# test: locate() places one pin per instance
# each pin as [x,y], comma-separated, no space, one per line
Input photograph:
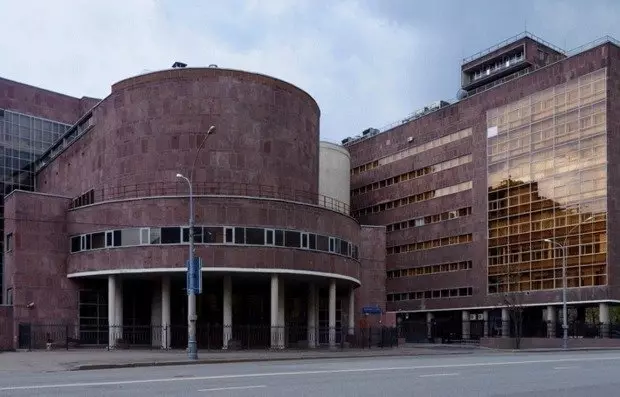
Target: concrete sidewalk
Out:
[88,359]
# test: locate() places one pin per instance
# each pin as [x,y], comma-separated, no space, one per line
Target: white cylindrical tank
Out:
[334,175]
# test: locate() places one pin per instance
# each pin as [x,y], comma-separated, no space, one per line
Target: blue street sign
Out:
[194,276]
[371,310]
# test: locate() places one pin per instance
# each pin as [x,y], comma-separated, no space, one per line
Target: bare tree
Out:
[514,302]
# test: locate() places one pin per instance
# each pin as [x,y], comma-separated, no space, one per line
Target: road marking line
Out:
[310,372]
[234,388]
[565,367]
[434,375]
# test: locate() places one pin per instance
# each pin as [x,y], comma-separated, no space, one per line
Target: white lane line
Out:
[234,388]
[310,372]
[435,375]
[557,368]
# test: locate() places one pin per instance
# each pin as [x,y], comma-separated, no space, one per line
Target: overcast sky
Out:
[367,63]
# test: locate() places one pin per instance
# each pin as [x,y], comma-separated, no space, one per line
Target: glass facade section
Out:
[547,183]
[23,138]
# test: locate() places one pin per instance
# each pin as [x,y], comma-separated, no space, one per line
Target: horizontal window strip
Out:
[416,198]
[420,172]
[429,244]
[444,140]
[226,235]
[431,294]
[430,269]
[429,219]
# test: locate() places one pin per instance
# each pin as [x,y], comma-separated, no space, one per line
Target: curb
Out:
[91,367]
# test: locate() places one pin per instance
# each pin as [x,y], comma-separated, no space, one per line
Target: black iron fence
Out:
[209,337]
[467,331]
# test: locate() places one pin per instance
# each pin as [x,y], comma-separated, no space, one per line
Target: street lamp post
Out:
[192,317]
[564,287]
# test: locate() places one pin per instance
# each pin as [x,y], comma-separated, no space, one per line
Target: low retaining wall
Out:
[549,343]
[6,328]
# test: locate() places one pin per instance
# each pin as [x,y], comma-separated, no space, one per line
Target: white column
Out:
[603,318]
[485,318]
[119,308]
[552,319]
[274,312]
[466,325]
[312,326]
[281,317]
[429,325]
[111,311]
[165,312]
[332,313]
[351,311]
[227,320]
[505,323]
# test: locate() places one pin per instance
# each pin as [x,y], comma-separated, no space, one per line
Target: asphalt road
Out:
[511,374]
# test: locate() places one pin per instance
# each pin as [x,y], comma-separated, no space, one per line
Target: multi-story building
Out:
[99,248]
[480,196]
[31,119]
[458,212]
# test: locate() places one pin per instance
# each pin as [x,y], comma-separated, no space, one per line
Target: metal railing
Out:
[209,336]
[492,84]
[155,189]
[453,331]
[511,40]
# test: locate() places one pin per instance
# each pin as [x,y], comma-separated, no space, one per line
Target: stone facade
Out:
[31,100]
[470,113]
[259,170]
[35,266]
[372,272]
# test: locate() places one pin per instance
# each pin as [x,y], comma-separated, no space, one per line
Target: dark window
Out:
[322,243]
[344,247]
[117,238]
[427,295]
[304,240]
[198,234]
[239,235]
[312,240]
[212,235]
[255,236]
[269,237]
[229,235]
[86,241]
[108,239]
[9,242]
[332,244]
[279,238]
[292,239]
[98,240]
[75,244]
[185,234]
[170,235]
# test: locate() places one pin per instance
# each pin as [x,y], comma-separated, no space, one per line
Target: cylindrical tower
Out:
[334,173]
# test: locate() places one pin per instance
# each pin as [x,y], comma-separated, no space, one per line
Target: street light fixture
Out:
[564,287]
[192,317]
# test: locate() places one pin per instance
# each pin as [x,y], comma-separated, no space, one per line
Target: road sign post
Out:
[194,276]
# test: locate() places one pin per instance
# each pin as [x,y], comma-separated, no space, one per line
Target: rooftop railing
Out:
[156,189]
[570,53]
[511,40]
